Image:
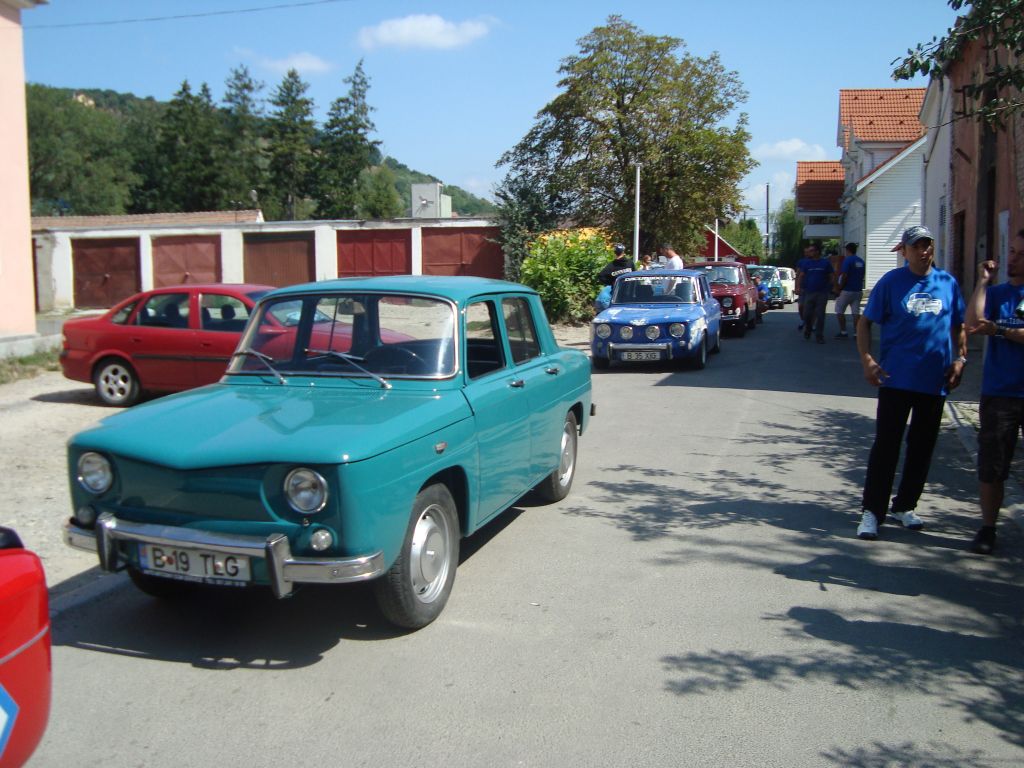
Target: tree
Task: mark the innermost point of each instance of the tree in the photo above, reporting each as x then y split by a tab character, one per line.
745	236
290	147
561	267
788	234
78	163
523	213
999	25
345	150
378	198
243	115
629	98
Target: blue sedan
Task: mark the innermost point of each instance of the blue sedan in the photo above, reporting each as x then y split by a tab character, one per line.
658	316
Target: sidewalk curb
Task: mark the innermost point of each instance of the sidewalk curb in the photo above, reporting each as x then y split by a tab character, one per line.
1013	496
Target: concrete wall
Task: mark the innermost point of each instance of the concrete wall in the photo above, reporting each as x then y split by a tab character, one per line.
17	301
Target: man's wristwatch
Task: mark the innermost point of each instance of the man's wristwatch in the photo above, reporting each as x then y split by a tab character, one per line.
962	360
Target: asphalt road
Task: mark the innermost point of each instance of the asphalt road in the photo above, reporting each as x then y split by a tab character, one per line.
699	599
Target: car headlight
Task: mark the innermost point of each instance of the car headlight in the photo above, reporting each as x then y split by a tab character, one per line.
603	330
652	332
677	330
95	473
727	302
305	490
626	332
776	291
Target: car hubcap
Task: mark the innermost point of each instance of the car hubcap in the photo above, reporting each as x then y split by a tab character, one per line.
116	382
430	554
568	461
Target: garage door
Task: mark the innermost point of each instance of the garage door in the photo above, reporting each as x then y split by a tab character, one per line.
279	260
186	259
450	251
365	253
106	271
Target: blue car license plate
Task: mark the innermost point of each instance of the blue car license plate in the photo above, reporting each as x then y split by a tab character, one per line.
643	354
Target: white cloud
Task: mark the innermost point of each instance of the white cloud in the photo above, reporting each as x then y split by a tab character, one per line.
790	149
303	62
424	31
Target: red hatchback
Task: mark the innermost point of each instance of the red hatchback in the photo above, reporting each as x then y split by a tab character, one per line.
164	340
735	291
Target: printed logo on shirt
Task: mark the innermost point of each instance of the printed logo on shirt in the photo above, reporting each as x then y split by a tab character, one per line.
922	303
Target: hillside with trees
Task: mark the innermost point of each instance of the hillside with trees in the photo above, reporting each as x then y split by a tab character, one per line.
94	151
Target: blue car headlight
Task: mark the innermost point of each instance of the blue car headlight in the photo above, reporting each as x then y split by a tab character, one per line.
602	330
626	332
652	332
677	330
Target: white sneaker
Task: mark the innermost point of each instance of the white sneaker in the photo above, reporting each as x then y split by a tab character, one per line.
909	520
868	528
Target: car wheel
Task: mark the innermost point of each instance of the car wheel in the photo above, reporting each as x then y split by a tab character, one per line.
741	328
601	363
751	319
557	485
700	361
718	342
156	586
415	589
116	383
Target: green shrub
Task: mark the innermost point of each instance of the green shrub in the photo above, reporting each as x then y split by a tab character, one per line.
562	267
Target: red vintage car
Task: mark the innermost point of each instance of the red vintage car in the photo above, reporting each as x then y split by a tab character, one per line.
164	340
731	285
25	665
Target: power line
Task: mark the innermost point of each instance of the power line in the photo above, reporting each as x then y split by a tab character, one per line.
145	20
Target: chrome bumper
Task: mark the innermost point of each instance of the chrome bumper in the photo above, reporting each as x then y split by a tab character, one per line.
283	569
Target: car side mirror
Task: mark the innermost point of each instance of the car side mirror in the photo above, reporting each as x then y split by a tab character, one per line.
9	539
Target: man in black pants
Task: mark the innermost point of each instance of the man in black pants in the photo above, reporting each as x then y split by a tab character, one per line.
923	352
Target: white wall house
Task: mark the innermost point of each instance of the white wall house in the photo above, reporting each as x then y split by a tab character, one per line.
936	116
882	205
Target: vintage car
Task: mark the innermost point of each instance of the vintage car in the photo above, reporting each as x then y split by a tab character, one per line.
25	663
164	340
657	316
771	284
735	291
360	440
788	277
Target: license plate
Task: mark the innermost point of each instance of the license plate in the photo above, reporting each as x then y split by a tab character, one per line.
194	564
644	354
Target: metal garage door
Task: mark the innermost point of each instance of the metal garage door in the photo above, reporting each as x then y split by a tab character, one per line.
106	271
186	259
470	251
371	252
280	259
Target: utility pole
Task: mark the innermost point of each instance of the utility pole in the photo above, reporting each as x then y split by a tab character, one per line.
767	221
636	217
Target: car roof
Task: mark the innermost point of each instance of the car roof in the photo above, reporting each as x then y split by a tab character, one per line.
239	287
662	272
722	264
459	288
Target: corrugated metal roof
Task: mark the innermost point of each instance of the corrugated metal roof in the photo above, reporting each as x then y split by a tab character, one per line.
193	218
819	185
880	114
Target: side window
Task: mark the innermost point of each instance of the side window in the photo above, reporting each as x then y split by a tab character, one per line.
219	312
484	352
121	316
165	310
522	334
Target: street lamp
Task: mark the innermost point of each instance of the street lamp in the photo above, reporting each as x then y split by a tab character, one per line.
636	216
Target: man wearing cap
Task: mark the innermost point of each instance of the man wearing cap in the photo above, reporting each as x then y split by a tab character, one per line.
620	266
997	311
922	356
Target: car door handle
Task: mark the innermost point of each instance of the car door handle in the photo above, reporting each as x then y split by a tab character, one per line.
553	371
517	383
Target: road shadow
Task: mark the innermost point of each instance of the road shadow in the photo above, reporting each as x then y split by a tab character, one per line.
70	397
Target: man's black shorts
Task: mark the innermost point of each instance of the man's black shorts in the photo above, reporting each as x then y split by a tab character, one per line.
1002	419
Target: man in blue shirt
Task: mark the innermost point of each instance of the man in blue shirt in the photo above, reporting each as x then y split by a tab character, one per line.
923	345
851	287
814	283
997	311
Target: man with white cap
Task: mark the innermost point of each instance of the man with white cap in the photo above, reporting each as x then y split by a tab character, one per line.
922	357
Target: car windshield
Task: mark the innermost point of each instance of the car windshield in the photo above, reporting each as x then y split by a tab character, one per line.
765	273
365	335
729	275
660	289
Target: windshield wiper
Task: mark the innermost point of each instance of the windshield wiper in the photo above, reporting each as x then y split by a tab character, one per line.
267	360
351	361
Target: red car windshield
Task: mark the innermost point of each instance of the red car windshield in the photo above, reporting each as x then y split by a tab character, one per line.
727	275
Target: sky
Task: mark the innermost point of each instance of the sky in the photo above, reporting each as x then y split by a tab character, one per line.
456	84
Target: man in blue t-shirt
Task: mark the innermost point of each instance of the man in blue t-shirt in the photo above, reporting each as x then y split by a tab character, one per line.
997	311
850	283
814	284
923	352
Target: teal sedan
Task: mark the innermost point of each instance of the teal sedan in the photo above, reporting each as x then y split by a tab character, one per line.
363	427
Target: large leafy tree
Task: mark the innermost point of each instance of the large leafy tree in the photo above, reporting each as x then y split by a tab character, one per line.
290	148
999	26
745	236
524	212
345	150
788	234
630	98
377	197
78	162
243	117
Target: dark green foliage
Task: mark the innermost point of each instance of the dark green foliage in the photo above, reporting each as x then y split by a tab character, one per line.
788	235
378	198
745	236
523	213
463	203
290	148
246	169
562	267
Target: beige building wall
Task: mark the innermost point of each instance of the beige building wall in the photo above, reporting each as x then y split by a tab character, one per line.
17	301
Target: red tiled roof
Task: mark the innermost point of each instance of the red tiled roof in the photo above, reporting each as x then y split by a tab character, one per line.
819	185
193	218
880	114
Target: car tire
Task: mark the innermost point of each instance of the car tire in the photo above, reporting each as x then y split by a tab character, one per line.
557	485
416	587
751	320
601	363
718	342
116	382
700	360
741	328
159	587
